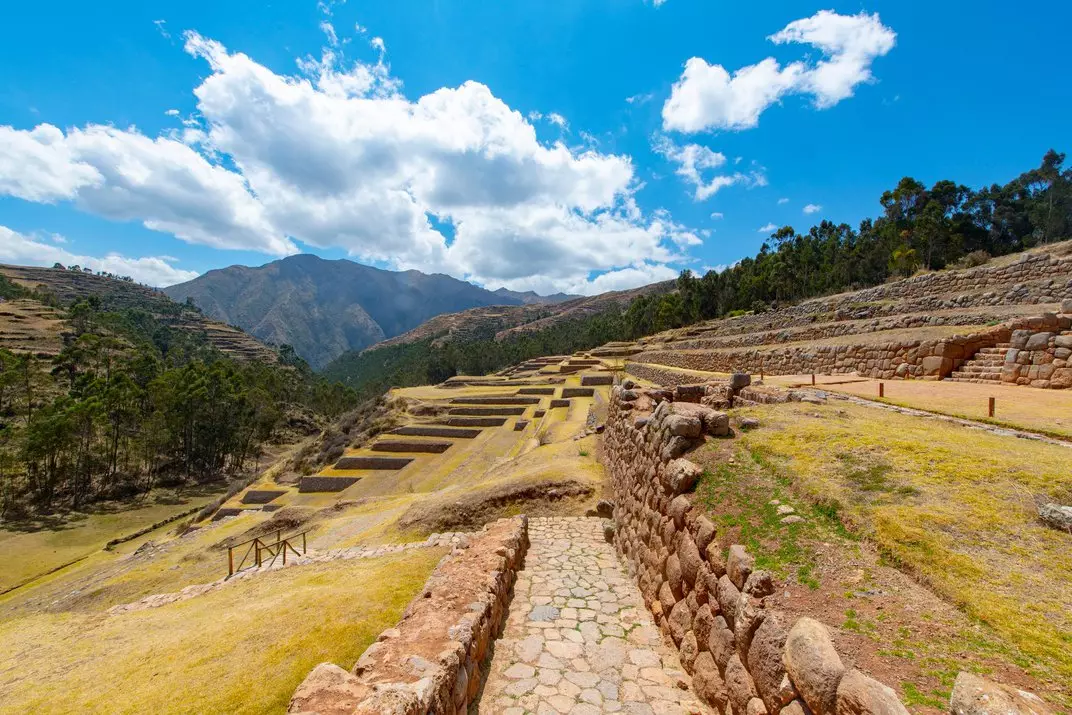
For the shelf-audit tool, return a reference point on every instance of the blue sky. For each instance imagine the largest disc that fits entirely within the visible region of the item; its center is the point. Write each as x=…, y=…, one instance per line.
x=409, y=145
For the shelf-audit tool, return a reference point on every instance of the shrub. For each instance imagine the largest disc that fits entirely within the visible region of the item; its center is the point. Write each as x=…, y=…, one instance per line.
x=972, y=260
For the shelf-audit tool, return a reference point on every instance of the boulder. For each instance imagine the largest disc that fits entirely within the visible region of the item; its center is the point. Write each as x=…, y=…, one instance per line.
x=759, y=584
x=1038, y=341
x=739, y=683
x=740, y=380
x=721, y=643
x=766, y=666
x=1058, y=516
x=728, y=596
x=680, y=621
x=689, y=556
x=707, y=682
x=739, y=565
x=973, y=695
x=1066, y=305
x=813, y=665
x=858, y=694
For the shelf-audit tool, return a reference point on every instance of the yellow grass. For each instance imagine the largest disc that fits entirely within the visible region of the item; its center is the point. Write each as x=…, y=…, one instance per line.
x=952, y=504
x=241, y=649
x=1048, y=411
x=37, y=552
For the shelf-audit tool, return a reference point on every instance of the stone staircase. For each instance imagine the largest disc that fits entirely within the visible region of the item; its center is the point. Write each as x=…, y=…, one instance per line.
x=984, y=367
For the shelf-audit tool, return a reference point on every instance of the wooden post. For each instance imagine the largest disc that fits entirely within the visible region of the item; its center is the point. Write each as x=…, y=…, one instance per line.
x=257, y=551
x=761, y=378
x=230, y=561
x=304, y=548
x=991, y=406
x=881, y=389
x=813, y=378
x=285, y=553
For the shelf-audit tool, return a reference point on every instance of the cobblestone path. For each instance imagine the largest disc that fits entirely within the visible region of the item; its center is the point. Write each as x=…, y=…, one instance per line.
x=578, y=638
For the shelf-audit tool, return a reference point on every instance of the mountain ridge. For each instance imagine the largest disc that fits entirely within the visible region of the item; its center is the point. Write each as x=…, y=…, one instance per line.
x=324, y=308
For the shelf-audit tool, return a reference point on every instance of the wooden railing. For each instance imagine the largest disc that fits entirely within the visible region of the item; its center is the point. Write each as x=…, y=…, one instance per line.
x=261, y=549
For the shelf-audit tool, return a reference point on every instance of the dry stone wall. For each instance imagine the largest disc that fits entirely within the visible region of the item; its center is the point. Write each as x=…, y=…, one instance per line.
x=744, y=658
x=1042, y=345
x=432, y=661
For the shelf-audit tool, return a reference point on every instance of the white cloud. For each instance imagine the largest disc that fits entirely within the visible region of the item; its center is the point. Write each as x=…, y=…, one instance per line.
x=640, y=98
x=717, y=215
x=338, y=156
x=171, y=113
x=557, y=119
x=693, y=159
x=632, y=277
x=658, y=3
x=329, y=31
x=125, y=176
x=812, y=208
x=25, y=250
x=770, y=227
x=708, y=96
x=783, y=200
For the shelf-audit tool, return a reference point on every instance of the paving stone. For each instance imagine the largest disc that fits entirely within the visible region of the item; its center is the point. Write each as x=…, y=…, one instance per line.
x=578, y=638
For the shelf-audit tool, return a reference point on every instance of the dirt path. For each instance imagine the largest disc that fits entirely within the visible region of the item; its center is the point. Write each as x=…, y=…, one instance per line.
x=578, y=638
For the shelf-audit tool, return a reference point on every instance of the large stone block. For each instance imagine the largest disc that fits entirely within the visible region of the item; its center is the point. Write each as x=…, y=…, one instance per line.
x=766, y=665
x=973, y=695
x=739, y=684
x=813, y=665
x=858, y=694
x=708, y=683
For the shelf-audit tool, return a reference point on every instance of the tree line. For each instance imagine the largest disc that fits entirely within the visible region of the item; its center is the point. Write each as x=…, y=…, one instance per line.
x=131, y=402
x=920, y=228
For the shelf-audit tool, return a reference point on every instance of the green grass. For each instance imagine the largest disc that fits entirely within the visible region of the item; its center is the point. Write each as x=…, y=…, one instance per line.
x=75, y=536
x=952, y=505
x=241, y=649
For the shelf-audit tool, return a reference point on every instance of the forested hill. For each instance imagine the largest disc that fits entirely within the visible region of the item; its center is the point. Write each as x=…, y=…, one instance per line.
x=946, y=225
x=324, y=308
x=121, y=397
x=66, y=285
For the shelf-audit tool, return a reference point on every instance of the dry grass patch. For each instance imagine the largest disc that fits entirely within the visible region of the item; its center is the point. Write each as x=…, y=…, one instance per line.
x=41, y=547
x=1045, y=411
x=241, y=649
x=953, y=505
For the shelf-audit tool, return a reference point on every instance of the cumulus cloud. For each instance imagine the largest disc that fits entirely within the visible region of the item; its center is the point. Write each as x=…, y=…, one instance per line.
x=783, y=200
x=717, y=215
x=812, y=208
x=708, y=96
x=693, y=160
x=26, y=250
x=769, y=228
x=336, y=155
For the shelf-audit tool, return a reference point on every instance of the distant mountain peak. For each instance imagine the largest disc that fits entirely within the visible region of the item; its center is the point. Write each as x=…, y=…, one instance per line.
x=530, y=297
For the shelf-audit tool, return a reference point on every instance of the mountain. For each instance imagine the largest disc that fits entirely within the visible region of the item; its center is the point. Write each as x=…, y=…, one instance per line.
x=324, y=308
x=533, y=298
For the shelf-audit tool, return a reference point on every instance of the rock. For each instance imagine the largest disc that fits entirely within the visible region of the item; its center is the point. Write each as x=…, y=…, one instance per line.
x=681, y=475
x=609, y=528
x=721, y=643
x=1056, y=515
x=707, y=682
x=793, y=519
x=1066, y=305
x=1038, y=341
x=785, y=509
x=740, y=380
x=813, y=665
x=797, y=707
x=689, y=556
x=684, y=426
x=1063, y=341
x=672, y=570
x=328, y=689
x=678, y=507
x=702, y=624
x=728, y=596
x=705, y=532
x=748, y=423
x=858, y=694
x=605, y=508
x=739, y=684
x=759, y=584
x=765, y=664
x=973, y=695
x=396, y=700
x=739, y=565
x=755, y=707
x=715, y=559
x=689, y=650
x=680, y=621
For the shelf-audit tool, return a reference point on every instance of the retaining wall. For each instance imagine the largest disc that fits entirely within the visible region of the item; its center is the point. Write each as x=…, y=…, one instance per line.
x=924, y=359
x=743, y=657
x=432, y=660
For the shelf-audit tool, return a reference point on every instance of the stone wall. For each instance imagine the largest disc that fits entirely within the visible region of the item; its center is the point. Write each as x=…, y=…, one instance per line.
x=1045, y=339
x=431, y=661
x=744, y=658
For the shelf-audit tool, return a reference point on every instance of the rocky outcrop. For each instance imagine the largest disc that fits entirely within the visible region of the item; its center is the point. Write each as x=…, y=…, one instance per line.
x=431, y=661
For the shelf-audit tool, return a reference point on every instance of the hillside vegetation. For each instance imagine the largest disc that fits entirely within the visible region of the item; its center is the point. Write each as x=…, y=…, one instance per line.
x=131, y=402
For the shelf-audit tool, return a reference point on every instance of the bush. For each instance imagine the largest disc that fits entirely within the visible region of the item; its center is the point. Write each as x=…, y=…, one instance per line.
x=972, y=260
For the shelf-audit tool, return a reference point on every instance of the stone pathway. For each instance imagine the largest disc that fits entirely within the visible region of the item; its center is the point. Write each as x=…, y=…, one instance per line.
x=578, y=638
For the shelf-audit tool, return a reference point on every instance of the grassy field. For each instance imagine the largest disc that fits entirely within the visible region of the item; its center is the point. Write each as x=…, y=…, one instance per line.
x=241, y=649
x=1045, y=411
x=67, y=539
x=961, y=519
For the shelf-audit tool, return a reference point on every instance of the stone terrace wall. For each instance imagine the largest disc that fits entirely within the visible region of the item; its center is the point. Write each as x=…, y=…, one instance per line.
x=744, y=658
x=1036, y=278
x=926, y=359
x=431, y=661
